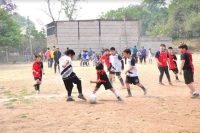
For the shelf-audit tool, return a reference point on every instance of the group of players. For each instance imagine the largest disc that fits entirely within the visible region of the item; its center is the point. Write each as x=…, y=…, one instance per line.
x=114, y=63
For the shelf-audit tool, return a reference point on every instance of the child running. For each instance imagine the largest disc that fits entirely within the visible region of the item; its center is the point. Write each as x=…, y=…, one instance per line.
x=188, y=69
x=116, y=66
x=172, y=62
x=132, y=73
x=68, y=76
x=37, y=73
x=102, y=78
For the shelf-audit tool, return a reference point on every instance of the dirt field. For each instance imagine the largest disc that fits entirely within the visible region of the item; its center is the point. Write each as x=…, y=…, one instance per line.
x=165, y=109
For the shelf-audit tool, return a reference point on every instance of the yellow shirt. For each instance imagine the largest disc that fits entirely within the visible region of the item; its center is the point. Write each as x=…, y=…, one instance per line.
x=52, y=54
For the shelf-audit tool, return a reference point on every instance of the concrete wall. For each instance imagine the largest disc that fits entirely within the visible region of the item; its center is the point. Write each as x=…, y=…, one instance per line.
x=96, y=34
x=154, y=42
x=51, y=41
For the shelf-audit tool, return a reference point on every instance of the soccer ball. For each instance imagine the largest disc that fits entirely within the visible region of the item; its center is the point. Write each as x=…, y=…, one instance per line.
x=92, y=99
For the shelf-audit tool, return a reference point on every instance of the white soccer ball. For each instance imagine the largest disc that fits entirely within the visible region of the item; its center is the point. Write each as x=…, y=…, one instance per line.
x=92, y=99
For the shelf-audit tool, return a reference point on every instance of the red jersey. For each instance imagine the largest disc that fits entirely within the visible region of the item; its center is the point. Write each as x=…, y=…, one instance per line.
x=102, y=76
x=37, y=70
x=162, y=58
x=172, y=61
x=105, y=59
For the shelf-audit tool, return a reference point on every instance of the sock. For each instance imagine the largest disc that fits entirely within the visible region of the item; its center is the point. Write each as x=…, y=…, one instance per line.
x=116, y=94
x=38, y=87
x=121, y=80
x=129, y=92
x=35, y=85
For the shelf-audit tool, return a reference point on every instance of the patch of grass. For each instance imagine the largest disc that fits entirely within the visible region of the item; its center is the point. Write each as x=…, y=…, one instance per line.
x=17, y=98
x=23, y=115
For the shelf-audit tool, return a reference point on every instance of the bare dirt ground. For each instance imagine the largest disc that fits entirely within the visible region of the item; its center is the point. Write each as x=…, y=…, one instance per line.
x=165, y=109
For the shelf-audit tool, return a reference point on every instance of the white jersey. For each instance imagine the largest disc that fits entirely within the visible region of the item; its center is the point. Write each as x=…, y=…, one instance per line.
x=116, y=64
x=150, y=54
x=65, y=71
x=132, y=63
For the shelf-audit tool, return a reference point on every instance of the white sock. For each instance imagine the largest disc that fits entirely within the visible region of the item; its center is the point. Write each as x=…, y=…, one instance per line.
x=116, y=94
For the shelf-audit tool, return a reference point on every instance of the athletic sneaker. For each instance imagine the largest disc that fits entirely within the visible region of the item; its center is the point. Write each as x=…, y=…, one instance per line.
x=129, y=95
x=70, y=99
x=161, y=83
x=119, y=98
x=195, y=95
x=82, y=97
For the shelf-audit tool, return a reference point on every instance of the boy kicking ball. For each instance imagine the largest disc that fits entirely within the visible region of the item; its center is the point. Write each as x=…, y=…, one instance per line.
x=102, y=78
x=132, y=73
x=188, y=69
x=68, y=76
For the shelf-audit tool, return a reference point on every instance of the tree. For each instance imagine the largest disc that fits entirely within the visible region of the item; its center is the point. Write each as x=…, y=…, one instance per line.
x=7, y=5
x=38, y=38
x=179, y=19
x=70, y=8
x=10, y=34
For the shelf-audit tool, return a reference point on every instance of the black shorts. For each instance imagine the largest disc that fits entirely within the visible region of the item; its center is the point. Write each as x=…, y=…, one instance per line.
x=107, y=85
x=117, y=73
x=175, y=71
x=132, y=80
x=37, y=79
x=188, y=76
x=69, y=81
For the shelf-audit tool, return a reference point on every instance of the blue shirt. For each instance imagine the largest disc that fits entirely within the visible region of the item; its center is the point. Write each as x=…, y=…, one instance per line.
x=85, y=55
x=144, y=52
x=133, y=50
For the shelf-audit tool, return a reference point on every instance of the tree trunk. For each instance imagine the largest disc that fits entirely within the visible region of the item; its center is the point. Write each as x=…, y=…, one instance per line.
x=7, y=58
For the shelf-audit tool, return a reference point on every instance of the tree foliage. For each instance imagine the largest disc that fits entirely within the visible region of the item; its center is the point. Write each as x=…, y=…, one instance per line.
x=178, y=19
x=10, y=34
x=70, y=8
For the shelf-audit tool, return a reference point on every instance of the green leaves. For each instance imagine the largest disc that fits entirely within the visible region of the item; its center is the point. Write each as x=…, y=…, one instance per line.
x=179, y=19
x=10, y=34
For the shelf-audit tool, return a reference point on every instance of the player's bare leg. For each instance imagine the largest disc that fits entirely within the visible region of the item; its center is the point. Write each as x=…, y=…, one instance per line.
x=128, y=90
x=111, y=78
x=116, y=94
x=143, y=88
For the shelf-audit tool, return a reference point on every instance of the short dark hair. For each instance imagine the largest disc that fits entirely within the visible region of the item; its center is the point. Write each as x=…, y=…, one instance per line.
x=106, y=50
x=183, y=46
x=170, y=48
x=128, y=51
x=37, y=56
x=162, y=45
x=70, y=52
x=48, y=48
x=112, y=48
x=99, y=66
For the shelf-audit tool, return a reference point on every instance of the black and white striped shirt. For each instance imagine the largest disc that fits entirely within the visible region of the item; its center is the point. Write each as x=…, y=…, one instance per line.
x=67, y=70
